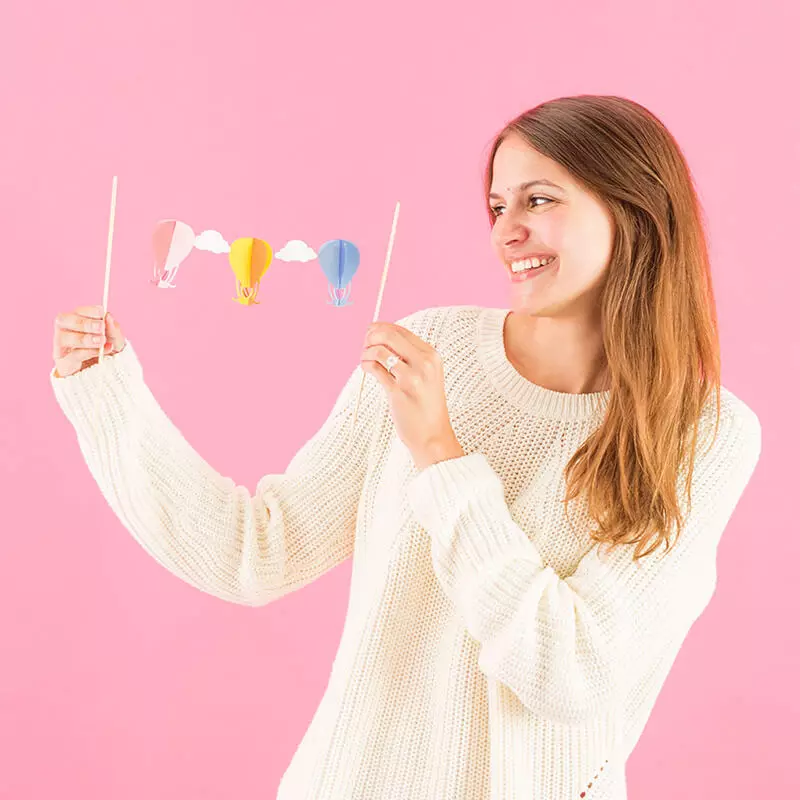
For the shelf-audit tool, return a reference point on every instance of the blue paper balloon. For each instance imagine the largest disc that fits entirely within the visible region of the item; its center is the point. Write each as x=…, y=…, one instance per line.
x=339, y=260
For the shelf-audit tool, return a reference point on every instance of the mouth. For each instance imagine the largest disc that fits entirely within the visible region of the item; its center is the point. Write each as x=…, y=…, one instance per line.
x=531, y=272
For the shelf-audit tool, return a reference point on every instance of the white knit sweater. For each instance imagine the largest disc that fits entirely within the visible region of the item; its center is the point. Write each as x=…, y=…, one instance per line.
x=489, y=650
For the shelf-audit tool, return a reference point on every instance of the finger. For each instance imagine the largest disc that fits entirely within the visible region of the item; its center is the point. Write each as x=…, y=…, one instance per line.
x=377, y=371
x=389, y=336
x=78, y=321
x=96, y=312
x=405, y=333
x=72, y=339
x=114, y=332
x=61, y=350
x=85, y=352
x=78, y=355
x=380, y=355
x=68, y=341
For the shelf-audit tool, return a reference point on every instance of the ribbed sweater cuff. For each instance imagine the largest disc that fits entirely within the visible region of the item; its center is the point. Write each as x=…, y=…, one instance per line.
x=114, y=386
x=461, y=503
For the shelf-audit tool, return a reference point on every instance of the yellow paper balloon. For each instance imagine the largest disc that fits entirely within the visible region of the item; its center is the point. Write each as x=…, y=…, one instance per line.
x=249, y=258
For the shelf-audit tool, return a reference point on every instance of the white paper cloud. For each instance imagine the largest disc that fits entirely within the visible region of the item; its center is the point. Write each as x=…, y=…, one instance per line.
x=296, y=250
x=213, y=241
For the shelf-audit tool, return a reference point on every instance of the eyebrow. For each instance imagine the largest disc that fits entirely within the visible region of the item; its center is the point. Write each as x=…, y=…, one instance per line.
x=525, y=185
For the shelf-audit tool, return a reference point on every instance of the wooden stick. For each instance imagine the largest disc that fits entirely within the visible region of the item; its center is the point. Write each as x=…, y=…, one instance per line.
x=108, y=260
x=378, y=305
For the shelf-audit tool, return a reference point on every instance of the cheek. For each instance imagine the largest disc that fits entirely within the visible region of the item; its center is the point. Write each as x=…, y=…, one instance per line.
x=586, y=249
x=594, y=240
x=553, y=233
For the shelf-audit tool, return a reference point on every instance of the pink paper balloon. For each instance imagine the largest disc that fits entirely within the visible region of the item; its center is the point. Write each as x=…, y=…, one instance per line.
x=172, y=242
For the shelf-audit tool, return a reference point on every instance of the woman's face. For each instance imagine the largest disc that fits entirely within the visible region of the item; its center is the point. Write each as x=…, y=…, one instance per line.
x=563, y=220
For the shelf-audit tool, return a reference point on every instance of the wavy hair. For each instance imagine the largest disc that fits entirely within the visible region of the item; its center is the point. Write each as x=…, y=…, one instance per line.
x=659, y=321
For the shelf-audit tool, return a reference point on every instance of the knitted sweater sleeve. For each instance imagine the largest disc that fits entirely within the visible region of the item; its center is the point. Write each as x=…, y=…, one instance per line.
x=200, y=525
x=570, y=649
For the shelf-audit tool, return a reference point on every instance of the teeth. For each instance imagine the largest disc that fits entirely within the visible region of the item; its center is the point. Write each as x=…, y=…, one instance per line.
x=530, y=263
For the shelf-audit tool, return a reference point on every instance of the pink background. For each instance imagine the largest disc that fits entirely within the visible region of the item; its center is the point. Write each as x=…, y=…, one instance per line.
x=292, y=121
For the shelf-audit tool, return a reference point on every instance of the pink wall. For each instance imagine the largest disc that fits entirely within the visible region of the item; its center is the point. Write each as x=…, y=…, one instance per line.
x=284, y=121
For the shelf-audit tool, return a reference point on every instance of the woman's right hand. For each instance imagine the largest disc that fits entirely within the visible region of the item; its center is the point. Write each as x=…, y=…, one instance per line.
x=74, y=344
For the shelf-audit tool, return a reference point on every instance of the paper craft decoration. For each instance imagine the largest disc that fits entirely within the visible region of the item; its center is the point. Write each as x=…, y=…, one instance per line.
x=213, y=241
x=296, y=250
x=249, y=259
x=172, y=242
x=339, y=260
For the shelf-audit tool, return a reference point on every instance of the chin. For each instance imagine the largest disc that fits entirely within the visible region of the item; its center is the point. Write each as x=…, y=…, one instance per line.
x=540, y=305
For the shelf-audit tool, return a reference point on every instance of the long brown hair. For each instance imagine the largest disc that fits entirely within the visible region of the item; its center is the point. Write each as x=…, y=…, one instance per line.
x=659, y=321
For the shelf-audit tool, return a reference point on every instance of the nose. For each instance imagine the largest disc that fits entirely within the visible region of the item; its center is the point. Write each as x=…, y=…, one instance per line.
x=509, y=229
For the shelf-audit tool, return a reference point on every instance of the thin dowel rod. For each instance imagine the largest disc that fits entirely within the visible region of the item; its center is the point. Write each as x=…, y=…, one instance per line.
x=378, y=305
x=108, y=259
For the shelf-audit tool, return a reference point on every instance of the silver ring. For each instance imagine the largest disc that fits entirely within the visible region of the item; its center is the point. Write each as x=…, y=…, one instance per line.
x=390, y=362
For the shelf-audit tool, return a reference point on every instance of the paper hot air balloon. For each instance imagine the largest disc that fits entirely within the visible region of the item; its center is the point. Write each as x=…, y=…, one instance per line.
x=249, y=258
x=172, y=242
x=339, y=260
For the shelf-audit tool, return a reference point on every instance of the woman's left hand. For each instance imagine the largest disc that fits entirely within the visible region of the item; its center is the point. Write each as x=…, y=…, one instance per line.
x=415, y=390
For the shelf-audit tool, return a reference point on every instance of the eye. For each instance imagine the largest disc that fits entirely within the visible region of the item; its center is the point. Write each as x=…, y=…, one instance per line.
x=494, y=209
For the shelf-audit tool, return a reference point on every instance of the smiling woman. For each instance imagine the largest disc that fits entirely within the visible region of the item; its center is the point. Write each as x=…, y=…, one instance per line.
x=600, y=184
x=490, y=648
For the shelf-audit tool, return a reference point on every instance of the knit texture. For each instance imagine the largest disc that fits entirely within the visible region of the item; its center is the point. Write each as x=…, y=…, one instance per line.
x=489, y=649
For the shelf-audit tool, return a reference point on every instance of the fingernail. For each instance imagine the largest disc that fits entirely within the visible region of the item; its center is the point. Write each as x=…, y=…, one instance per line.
x=111, y=319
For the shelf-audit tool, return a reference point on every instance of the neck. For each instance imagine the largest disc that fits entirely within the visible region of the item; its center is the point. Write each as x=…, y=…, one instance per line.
x=564, y=354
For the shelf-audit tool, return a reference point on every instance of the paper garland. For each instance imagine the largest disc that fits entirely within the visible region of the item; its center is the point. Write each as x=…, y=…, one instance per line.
x=250, y=258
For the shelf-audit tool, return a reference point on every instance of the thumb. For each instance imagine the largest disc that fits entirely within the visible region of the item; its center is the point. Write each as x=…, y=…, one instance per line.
x=114, y=333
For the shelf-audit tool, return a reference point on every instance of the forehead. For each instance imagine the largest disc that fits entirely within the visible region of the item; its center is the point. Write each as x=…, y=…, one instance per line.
x=516, y=162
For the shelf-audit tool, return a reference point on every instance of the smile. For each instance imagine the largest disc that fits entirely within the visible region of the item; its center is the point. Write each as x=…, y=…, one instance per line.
x=528, y=274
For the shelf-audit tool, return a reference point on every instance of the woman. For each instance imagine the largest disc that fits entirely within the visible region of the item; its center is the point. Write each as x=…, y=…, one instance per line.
x=491, y=648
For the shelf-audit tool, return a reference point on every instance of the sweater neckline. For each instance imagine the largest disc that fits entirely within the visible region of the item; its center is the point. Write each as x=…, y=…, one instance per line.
x=518, y=390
